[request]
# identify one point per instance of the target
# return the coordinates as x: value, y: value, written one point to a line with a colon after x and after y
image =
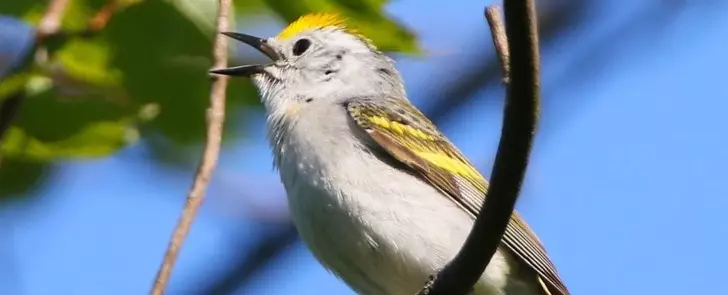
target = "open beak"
x: 248, y: 70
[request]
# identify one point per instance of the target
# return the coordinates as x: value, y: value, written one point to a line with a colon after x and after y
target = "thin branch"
x: 102, y: 17
x: 500, y: 40
x: 50, y: 23
x: 554, y: 19
x: 519, y: 126
x: 215, y: 119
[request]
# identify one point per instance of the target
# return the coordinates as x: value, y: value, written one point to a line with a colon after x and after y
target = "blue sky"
x: 625, y: 187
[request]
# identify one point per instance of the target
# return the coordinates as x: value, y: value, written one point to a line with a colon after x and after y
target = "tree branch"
x: 215, y: 119
x: 519, y: 126
x: 102, y: 17
x: 50, y: 23
x: 554, y: 19
x: 500, y: 40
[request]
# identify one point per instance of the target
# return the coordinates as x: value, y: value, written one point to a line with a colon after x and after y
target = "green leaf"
x: 13, y: 84
x: 164, y: 58
x: 88, y: 61
x: 54, y: 116
x: 364, y: 7
x: 367, y: 16
x: 53, y: 126
x: 201, y: 12
x: 94, y: 140
x: 147, y: 69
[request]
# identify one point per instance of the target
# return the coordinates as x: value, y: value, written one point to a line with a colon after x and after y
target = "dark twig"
x: 8, y: 109
x: 519, y: 126
x: 500, y: 40
x: 102, y: 17
x: 215, y: 119
x: 49, y: 24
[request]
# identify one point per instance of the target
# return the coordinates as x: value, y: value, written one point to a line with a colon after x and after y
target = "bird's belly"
x: 384, y: 233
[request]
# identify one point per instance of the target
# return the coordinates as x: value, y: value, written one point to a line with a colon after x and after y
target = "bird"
x: 379, y: 195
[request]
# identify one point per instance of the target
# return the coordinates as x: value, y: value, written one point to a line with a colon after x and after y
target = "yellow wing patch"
x: 450, y: 164
x: 399, y: 127
x: 314, y: 21
x: 429, y: 148
x: 411, y: 138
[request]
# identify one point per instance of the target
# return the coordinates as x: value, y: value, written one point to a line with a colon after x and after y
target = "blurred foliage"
x: 89, y: 91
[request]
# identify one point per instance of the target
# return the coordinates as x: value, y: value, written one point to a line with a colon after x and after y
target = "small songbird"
x: 378, y: 194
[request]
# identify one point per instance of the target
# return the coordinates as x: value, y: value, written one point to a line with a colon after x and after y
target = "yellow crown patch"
x: 314, y: 21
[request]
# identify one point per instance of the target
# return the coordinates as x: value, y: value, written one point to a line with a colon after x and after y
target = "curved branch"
x: 519, y: 126
x: 215, y: 119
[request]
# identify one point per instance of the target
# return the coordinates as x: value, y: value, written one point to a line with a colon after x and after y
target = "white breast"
x: 379, y: 229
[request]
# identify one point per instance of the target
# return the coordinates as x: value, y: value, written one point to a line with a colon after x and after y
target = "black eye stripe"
x: 301, y: 46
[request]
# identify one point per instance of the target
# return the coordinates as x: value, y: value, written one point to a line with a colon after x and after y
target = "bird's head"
x: 318, y: 58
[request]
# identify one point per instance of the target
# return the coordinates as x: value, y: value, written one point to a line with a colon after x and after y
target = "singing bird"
x: 378, y: 194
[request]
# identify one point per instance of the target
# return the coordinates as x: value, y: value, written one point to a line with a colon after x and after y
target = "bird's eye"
x: 301, y: 46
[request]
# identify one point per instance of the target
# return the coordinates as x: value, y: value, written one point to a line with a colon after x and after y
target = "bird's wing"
x: 408, y: 136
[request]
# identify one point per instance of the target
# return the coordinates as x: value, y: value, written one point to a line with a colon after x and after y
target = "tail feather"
x: 544, y: 287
